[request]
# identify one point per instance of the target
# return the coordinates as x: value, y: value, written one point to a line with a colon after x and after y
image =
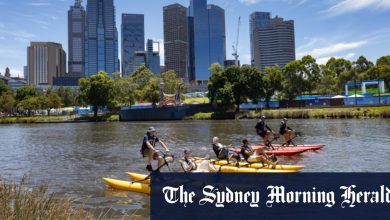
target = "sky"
x: 323, y: 28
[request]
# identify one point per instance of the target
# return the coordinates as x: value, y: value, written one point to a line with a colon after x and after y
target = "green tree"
x: 272, y: 82
x: 234, y: 86
x: 67, y: 95
x: 383, y: 61
x: 171, y: 81
x: 362, y: 65
x: 97, y: 90
x: 29, y: 104
x: 4, y: 88
x: 328, y: 84
x: 294, y: 82
x: 338, y: 65
x: 7, y: 103
x: 146, y: 85
x: 123, y: 91
x: 311, y: 72
x: 25, y: 92
x: 49, y: 101
x: 220, y: 90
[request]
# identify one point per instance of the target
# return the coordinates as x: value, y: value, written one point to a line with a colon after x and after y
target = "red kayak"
x: 277, y: 152
x: 305, y: 147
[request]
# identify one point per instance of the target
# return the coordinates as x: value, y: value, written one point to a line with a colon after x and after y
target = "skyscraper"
x: 101, y: 47
x: 207, y: 37
x: 217, y: 34
x: 133, y: 40
x: 176, y: 41
x: 153, y: 58
x: 272, y: 40
x: 76, y: 39
x: 46, y: 60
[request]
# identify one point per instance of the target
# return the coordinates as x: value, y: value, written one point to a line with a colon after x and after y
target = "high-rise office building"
x: 46, y: 60
x: 272, y: 40
x: 76, y: 40
x: 101, y: 43
x: 217, y: 34
x: 207, y: 38
x: 176, y: 41
x: 133, y: 40
x: 153, y: 57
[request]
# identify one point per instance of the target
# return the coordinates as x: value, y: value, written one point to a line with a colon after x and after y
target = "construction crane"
x: 235, y: 44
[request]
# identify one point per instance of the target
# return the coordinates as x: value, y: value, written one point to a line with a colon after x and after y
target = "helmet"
x: 215, y: 140
x: 285, y: 119
x: 263, y: 117
x: 187, y: 150
x: 150, y: 129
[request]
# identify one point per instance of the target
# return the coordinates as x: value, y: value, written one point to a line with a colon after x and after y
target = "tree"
x: 25, y: 92
x: 294, y: 82
x: 338, y: 65
x: 146, y: 85
x: 4, y: 88
x: 272, y: 82
x: 123, y: 91
x: 7, y: 103
x: 383, y: 61
x: 97, y: 90
x: 328, y: 82
x: 361, y: 65
x: 220, y: 90
x: 171, y: 81
x: 7, y: 72
x: 49, y: 101
x: 234, y: 85
x: 29, y: 104
x: 311, y: 72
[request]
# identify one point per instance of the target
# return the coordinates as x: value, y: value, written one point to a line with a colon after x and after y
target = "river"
x: 71, y: 158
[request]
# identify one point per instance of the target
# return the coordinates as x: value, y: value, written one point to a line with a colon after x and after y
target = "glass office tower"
x: 101, y: 46
x: 133, y: 40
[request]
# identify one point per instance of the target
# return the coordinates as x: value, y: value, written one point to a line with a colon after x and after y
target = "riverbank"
x: 17, y: 201
x: 58, y: 119
x: 326, y: 113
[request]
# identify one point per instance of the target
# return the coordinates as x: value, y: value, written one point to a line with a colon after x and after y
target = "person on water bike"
x: 286, y: 132
x: 259, y: 155
x: 149, y: 149
x: 191, y: 165
x: 246, y: 150
x: 264, y: 130
x: 222, y: 152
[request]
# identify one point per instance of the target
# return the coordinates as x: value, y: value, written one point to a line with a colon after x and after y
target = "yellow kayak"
x: 258, y: 165
x: 128, y: 186
x: 232, y: 169
x: 139, y: 177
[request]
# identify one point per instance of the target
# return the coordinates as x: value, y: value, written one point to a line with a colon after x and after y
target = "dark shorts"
x: 263, y: 134
x: 146, y: 152
x: 282, y: 132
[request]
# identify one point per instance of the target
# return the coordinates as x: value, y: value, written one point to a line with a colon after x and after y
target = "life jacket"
x: 194, y: 167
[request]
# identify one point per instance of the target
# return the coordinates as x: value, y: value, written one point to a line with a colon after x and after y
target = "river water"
x: 72, y: 158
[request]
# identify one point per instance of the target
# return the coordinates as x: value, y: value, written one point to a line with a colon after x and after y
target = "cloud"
x: 249, y: 2
x: 349, y: 6
x: 18, y: 34
x: 324, y: 60
x: 331, y: 48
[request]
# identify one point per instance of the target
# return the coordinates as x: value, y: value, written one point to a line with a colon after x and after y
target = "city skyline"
x: 319, y: 31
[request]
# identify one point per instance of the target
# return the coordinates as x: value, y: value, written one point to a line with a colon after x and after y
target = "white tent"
x: 338, y: 97
x: 357, y: 96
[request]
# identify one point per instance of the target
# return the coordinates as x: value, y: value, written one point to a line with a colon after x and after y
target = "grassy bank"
x: 58, y: 119
x: 17, y: 201
x: 350, y: 112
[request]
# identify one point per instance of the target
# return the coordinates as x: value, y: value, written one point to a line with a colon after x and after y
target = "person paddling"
x: 148, y: 149
x: 286, y: 131
x: 264, y: 130
x: 222, y: 152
